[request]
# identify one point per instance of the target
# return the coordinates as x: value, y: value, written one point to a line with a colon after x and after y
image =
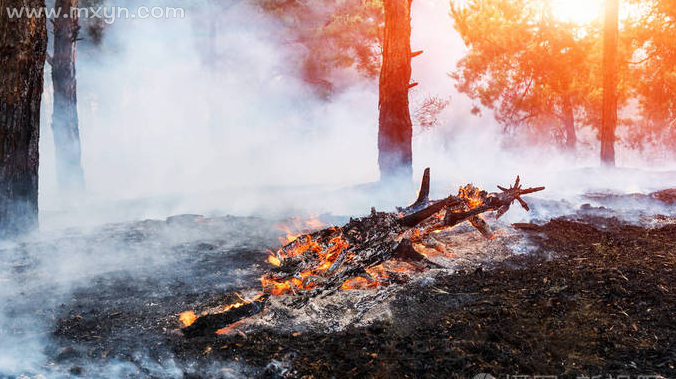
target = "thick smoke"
x: 175, y: 121
x: 166, y: 120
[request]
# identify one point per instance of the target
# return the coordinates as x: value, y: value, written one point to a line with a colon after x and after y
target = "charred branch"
x: 211, y: 323
x: 376, y: 250
x: 420, y: 216
x: 424, y: 193
x: 406, y: 252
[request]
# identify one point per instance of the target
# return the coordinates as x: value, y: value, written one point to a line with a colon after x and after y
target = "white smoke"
x: 169, y: 126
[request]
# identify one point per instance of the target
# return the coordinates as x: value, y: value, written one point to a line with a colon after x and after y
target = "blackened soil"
x: 590, y: 301
x: 108, y: 314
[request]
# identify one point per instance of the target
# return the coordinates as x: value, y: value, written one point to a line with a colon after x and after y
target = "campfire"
x: 382, y: 249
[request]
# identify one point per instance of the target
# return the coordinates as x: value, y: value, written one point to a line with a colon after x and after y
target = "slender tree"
x: 654, y: 70
x: 395, y: 156
x: 531, y: 69
x: 609, y: 116
x: 23, y: 43
x: 69, y: 171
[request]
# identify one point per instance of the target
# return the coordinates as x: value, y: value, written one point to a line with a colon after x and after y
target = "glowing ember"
x: 237, y: 304
x: 187, y: 318
x: 358, y: 283
x: 379, y: 275
x: 471, y: 195
x: 273, y: 260
x: 323, y: 256
x: 230, y: 329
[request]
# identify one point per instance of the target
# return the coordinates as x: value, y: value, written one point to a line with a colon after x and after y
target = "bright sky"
x: 578, y: 11
x: 586, y: 11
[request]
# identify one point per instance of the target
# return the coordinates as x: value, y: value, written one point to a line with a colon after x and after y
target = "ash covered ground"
x: 591, y: 292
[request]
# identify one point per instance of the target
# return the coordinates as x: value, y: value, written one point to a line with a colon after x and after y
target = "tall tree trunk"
x: 609, y: 120
x: 65, y: 119
x: 395, y: 156
x: 23, y: 43
x: 569, y: 124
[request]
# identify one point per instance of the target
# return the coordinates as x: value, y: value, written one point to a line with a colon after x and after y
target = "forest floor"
x: 593, y: 295
x: 598, y: 297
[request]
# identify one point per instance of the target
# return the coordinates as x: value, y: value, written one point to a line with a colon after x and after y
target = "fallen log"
x: 332, y: 256
x: 375, y: 250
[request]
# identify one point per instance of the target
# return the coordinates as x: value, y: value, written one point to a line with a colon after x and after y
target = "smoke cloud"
x: 174, y: 120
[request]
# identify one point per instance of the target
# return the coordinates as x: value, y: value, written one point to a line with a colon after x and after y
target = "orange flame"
x: 273, y: 260
x: 472, y: 196
x: 187, y: 318
x: 358, y: 283
x: 378, y: 275
x: 325, y: 256
x: 295, y: 227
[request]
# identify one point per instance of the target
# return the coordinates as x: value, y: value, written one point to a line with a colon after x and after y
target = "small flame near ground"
x: 326, y: 257
x: 189, y: 317
x: 296, y: 227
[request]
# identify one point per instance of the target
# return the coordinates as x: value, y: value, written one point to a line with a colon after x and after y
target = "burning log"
x: 376, y: 250
x: 321, y: 262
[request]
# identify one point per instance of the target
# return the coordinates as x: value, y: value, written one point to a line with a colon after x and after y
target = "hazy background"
x: 168, y: 129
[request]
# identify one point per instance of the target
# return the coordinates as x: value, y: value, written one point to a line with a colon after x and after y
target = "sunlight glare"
x: 577, y: 11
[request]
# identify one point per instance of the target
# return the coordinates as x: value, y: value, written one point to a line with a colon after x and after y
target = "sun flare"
x: 577, y: 11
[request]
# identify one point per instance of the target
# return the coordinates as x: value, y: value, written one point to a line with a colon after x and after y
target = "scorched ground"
x: 586, y: 294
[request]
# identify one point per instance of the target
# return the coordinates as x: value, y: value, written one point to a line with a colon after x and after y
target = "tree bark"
x: 395, y: 156
x: 609, y: 118
x: 23, y: 43
x: 569, y: 124
x: 69, y: 171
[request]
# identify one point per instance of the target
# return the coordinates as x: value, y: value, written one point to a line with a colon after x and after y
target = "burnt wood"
x: 378, y: 238
x: 211, y: 323
x: 321, y: 263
